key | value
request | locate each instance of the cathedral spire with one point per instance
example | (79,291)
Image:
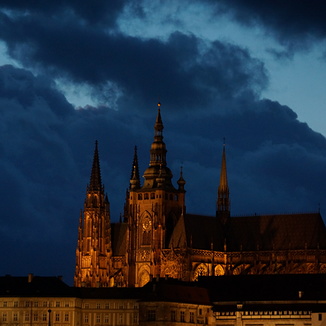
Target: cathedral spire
(93,253)
(95,181)
(158,149)
(223,200)
(135,180)
(158,174)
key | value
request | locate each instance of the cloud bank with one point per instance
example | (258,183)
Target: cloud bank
(209,90)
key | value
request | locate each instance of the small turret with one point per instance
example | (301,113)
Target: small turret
(181,181)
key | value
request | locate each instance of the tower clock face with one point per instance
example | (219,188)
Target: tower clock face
(147,224)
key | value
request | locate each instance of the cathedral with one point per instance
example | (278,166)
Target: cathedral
(157,237)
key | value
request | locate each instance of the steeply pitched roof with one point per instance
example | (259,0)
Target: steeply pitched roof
(118,236)
(247,233)
(268,232)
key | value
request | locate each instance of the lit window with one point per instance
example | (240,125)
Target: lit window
(192,317)
(135,318)
(182,316)
(151,315)
(120,319)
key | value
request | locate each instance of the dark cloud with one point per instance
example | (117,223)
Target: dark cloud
(295,24)
(99,12)
(209,90)
(46,156)
(143,69)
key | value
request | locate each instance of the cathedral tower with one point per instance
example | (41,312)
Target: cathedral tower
(152,210)
(93,253)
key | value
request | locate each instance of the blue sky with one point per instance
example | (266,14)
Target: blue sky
(72,73)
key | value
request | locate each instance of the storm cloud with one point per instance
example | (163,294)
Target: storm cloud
(209,90)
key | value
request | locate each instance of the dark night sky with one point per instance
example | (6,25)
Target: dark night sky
(73,72)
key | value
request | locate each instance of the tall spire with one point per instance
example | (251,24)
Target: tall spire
(158,149)
(158,174)
(95,181)
(223,200)
(135,180)
(93,253)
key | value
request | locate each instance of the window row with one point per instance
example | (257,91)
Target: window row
(146,196)
(112,305)
(34,304)
(35,317)
(116,318)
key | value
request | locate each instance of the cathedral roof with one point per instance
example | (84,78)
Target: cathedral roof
(119,244)
(250,233)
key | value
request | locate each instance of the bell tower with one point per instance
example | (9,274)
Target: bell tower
(93,253)
(152,211)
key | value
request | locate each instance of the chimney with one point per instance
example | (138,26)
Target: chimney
(30,277)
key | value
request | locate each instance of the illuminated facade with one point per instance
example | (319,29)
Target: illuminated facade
(260,300)
(158,238)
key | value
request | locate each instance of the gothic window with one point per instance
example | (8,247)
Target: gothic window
(201,270)
(147,230)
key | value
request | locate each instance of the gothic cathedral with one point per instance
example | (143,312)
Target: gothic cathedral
(157,238)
